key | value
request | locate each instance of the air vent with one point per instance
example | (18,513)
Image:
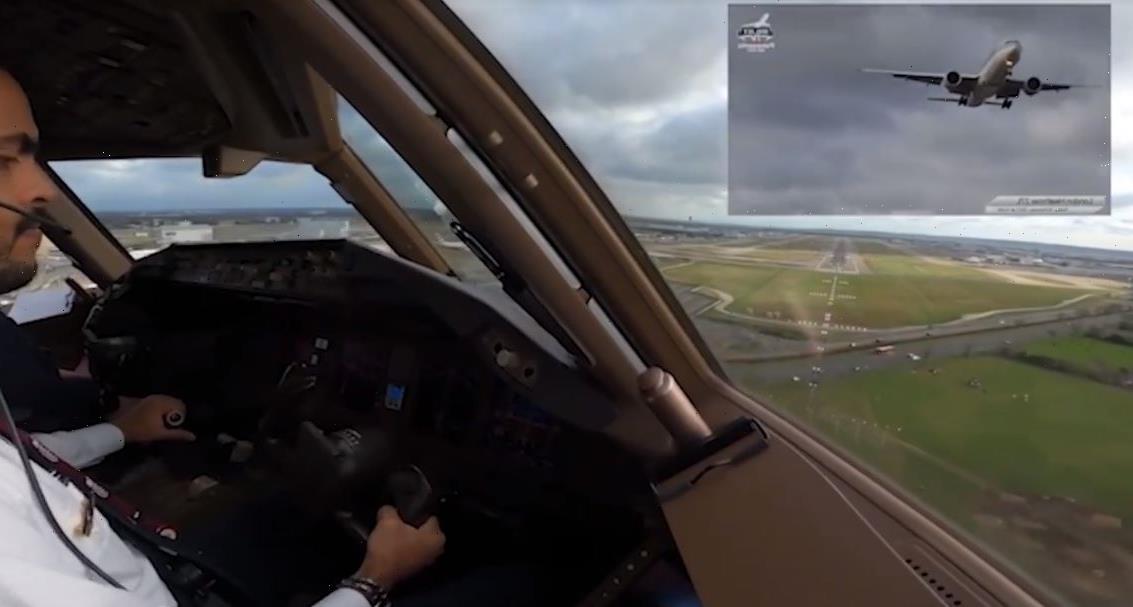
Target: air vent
(934,581)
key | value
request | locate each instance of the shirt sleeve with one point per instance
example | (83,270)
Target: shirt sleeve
(343,597)
(86,446)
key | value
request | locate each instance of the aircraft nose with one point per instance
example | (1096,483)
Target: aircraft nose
(1015,51)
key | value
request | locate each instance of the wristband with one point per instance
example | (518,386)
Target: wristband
(374,593)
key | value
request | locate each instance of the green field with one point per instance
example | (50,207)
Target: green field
(880,300)
(749,253)
(867,247)
(907,265)
(1085,353)
(665,262)
(1068,437)
(788,255)
(806,243)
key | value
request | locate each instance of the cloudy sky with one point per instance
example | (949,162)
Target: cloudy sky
(808,132)
(639,89)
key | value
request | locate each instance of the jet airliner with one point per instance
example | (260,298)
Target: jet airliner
(993,84)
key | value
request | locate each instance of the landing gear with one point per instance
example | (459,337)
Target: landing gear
(1006,104)
(963,100)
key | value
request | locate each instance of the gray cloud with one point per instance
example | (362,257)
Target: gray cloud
(177,184)
(685,148)
(644,181)
(595,53)
(879,143)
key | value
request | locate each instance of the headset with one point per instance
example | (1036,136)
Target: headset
(39,218)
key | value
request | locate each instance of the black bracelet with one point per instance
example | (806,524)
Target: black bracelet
(372,591)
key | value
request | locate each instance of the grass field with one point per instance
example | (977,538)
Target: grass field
(666,262)
(791,255)
(1068,437)
(868,247)
(750,253)
(879,300)
(806,243)
(1086,353)
(907,265)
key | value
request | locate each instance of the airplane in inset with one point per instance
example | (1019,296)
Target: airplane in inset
(992,83)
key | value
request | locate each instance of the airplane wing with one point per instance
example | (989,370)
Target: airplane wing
(1012,87)
(967,81)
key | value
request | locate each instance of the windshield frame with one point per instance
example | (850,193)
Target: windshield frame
(567,205)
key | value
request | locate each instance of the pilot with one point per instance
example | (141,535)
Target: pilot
(30,381)
(36,566)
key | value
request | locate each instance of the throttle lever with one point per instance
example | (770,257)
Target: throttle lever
(413,495)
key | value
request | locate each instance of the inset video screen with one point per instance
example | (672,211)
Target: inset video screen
(974,109)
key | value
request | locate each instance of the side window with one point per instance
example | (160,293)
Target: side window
(419,202)
(46,294)
(982,364)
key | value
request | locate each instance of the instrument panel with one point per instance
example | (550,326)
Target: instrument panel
(429,389)
(336,334)
(317,271)
(360,291)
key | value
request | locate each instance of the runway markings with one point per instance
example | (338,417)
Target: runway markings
(833,291)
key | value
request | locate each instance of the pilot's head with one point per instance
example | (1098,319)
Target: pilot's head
(23,184)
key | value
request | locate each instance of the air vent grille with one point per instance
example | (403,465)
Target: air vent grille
(934,582)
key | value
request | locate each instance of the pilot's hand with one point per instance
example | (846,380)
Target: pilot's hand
(143,421)
(396,551)
(81,371)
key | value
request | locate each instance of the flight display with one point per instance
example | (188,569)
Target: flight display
(846,109)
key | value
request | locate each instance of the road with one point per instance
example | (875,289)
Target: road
(989,342)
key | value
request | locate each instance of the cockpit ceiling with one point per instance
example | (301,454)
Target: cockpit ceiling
(108,79)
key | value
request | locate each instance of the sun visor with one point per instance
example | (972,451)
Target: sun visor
(224,161)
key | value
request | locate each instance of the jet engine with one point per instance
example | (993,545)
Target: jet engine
(952,80)
(1032,85)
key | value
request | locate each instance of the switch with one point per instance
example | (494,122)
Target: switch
(506,358)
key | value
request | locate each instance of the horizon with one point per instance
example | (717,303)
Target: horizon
(630,219)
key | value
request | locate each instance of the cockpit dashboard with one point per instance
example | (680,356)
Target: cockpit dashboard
(260,338)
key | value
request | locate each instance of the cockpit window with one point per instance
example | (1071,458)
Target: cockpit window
(982,363)
(415,197)
(148,204)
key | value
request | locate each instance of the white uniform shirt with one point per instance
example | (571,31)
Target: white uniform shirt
(37,570)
